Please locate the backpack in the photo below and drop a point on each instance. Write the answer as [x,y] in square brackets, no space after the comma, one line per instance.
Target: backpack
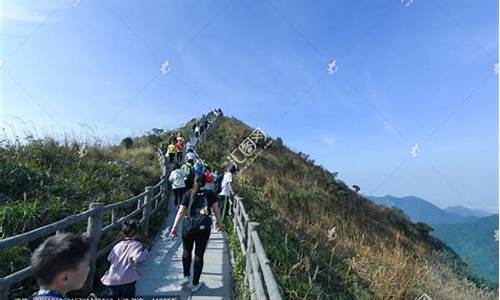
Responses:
[218,184]
[198,168]
[189,179]
[209,178]
[197,218]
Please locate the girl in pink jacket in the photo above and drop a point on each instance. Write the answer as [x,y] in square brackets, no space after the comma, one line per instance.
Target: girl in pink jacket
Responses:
[124,259]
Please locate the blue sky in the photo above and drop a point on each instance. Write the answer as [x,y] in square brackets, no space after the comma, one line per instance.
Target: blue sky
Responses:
[420,73]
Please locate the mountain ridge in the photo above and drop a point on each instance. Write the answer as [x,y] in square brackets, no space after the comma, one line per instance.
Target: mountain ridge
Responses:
[374,252]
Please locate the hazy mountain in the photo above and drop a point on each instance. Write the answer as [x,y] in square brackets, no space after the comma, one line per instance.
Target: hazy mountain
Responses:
[475,243]
[420,210]
[468,212]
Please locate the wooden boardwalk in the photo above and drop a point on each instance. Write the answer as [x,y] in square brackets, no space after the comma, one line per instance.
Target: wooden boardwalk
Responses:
[163,269]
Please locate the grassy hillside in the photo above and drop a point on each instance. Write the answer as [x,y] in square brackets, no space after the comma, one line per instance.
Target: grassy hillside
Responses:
[44,180]
[475,243]
[378,252]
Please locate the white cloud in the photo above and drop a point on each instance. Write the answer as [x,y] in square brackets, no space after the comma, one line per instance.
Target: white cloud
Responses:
[23,14]
[328,140]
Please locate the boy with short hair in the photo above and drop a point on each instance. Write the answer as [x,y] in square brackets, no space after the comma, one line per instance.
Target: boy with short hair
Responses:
[60,264]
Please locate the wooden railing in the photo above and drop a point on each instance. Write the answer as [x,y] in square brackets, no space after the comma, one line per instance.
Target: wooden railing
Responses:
[259,278]
[146,203]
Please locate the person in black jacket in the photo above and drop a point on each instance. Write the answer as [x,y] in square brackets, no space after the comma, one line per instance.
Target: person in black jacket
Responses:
[195,211]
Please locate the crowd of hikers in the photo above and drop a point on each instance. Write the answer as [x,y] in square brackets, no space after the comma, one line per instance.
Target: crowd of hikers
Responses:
[61,263]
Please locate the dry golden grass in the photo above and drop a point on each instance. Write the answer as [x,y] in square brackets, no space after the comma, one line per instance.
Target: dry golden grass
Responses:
[378,253]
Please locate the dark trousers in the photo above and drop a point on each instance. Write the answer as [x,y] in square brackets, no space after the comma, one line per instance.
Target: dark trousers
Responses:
[179,156]
[224,200]
[121,291]
[171,157]
[178,195]
[200,239]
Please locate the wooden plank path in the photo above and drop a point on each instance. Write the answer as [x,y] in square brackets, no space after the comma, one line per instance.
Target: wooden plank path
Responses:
[163,269]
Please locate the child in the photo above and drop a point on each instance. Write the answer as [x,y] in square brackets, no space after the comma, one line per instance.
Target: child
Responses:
[123,272]
[60,265]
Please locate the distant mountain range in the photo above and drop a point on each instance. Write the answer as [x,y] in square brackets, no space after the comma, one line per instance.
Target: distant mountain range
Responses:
[475,242]
[467,212]
[420,210]
[469,232]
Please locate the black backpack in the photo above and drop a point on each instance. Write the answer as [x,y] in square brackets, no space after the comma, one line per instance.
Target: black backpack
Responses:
[197,218]
[218,183]
[190,178]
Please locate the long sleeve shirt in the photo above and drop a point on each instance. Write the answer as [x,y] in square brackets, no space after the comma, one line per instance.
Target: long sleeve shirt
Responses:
[125,258]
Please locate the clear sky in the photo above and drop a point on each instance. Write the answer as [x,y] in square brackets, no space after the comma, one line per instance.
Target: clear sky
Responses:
[407,75]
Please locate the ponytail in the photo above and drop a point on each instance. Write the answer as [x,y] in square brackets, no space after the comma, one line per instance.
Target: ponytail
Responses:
[199,182]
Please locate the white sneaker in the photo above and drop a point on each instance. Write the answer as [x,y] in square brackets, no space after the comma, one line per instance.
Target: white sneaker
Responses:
[195,287]
[185,281]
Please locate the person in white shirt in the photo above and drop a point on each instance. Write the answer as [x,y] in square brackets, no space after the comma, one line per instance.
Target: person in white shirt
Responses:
[197,130]
[226,188]
[178,185]
[190,145]
[190,155]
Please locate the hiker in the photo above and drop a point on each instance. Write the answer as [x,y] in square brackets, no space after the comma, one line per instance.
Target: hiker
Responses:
[193,127]
[187,168]
[209,179]
[226,189]
[179,138]
[190,156]
[197,131]
[178,185]
[199,168]
[60,265]
[217,182]
[125,257]
[190,145]
[207,123]
[180,148]
[171,150]
[196,218]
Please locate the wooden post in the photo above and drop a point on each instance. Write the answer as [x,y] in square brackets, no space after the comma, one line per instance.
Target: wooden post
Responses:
[250,249]
[235,216]
[113,216]
[139,203]
[4,289]
[146,210]
[259,287]
[164,187]
[94,227]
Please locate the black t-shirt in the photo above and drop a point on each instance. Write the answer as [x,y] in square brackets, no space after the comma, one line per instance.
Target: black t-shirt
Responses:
[199,202]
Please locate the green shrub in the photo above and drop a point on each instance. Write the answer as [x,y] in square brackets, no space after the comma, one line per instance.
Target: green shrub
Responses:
[127,142]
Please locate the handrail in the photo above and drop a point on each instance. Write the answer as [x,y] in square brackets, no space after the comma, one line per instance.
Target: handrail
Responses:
[147,202]
[95,229]
[259,278]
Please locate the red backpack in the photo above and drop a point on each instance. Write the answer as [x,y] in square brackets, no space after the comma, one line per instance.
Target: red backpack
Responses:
[209,177]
